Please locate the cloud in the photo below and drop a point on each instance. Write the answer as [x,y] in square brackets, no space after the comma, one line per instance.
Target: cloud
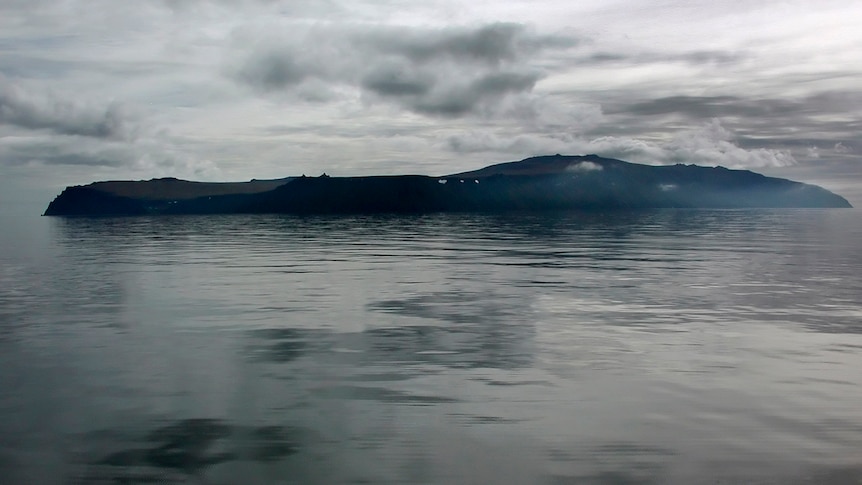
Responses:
[509,144]
[442,72]
[584,167]
[743,106]
[39,127]
[709,144]
[46,111]
[490,44]
[398,79]
[694,58]
[709,106]
[150,155]
[273,70]
[713,144]
[60,151]
[483,92]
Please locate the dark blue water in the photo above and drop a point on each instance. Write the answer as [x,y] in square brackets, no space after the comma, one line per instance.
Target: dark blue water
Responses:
[651,347]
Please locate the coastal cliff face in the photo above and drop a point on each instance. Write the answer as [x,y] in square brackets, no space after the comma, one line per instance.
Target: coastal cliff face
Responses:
[540,183]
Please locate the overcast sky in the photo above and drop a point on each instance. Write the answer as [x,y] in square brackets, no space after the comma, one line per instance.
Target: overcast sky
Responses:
[234,90]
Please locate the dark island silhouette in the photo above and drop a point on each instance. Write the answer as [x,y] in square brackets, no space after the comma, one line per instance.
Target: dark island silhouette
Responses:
[555,182]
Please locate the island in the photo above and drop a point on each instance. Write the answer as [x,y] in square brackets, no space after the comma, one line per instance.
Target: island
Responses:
[555,182]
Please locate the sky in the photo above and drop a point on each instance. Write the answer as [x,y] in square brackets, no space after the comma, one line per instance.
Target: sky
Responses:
[234,90]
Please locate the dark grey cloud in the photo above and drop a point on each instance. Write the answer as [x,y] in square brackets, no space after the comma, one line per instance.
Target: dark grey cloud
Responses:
[708,57]
[65,151]
[481,93]
[46,111]
[504,82]
[444,72]
[694,57]
[151,155]
[704,106]
[269,71]
[491,44]
[720,106]
[397,79]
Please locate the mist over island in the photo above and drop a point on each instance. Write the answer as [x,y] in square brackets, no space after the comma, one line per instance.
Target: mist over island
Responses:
[557,182]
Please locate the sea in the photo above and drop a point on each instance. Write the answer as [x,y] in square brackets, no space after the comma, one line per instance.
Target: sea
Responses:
[645,347]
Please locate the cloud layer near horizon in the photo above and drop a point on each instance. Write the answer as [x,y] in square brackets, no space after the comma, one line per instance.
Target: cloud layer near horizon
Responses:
[257,88]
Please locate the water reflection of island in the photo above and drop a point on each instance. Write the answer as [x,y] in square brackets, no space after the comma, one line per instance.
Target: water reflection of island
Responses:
[177,451]
[443,329]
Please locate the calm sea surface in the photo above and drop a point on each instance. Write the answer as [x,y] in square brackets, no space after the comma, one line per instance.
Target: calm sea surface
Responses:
[682,347]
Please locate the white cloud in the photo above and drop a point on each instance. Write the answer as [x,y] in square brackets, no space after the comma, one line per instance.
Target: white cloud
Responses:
[841,148]
[710,144]
[585,167]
